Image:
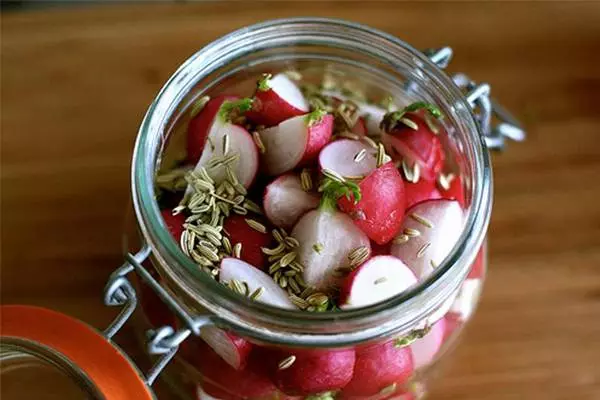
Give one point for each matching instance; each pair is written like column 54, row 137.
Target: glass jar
column 431, row 313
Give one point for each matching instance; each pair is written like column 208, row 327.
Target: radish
column 377, row 368
column 225, row 140
column 420, row 191
column 360, row 128
column 252, row 382
column 452, row 190
column 376, row 280
column 407, row 134
column 295, row 141
column 373, row 115
column 233, row 268
column 174, row 223
column 453, row 324
column 478, row 268
column 349, row 158
column 380, row 249
column 381, row 208
column 276, row 99
column 327, row 238
column 429, row 232
column 201, row 124
column 306, row 372
column 465, row 303
column 238, row 231
column 233, row 349
column 425, row 349
column 209, row 391
column 285, row 201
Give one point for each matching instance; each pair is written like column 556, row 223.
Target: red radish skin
column 425, row 252
column 174, row 223
column 426, row 348
column 313, row 371
column 285, row 201
column 281, row 100
column 336, row 236
column 232, row 348
column 380, row 249
column 360, row 128
column 421, row 146
column 201, row 124
column 455, row 191
column 339, row 156
column 478, row 268
column 234, row 268
column 252, row 382
column 295, row 141
column 380, row 211
column 238, row 231
column 209, row 391
column 377, row 367
column 378, row 279
column 421, row 191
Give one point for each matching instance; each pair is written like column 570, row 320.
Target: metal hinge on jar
column 484, row 107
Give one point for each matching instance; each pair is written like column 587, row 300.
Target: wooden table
column 76, row 83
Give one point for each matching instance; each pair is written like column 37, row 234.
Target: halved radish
column 252, row 382
column 381, row 208
column 209, row 391
column 429, row 232
column 425, row 349
column 419, row 145
column 453, row 324
column 376, row 280
column 174, row 223
column 275, row 100
column 360, row 128
column 238, row 231
column 233, row 268
column 312, row 371
column 349, row 158
column 455, row 191
column 380, row 249
column 295, row 141
column 231, row 347
column 201, row 124
column 373, row 116
column 285, row 201
column 422, row 190
column 377, row 368
column 465, row 303
column 326, row 239
column 478, row 268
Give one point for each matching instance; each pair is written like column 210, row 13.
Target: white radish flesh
column 285, row 201
column 288, row 91
column 232, row 348
column 425, row 349
column 465, row 303
column 349, row 158
column 285, row 145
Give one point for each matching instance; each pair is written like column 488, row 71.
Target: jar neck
column 383, row 56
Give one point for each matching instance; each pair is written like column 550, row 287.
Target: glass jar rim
column 277, row 325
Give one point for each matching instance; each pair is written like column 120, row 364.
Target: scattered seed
column 410, row 123
column 291, row 242
column 257, row 293
column 401, row 239
column 369, row 141
column 208, row 253
column 317, row 247
column 423, row 249
column 225, row 144
column 433, row 264
column 416, row 172
column 237, row 286
column 257, row 226
column 276, row 266
column 198, row 105
column 349, row 135
column 277, row 235
column 380, row 154
column 283, row 282
column 298, row 301
column 422, row 220
column 317, row 299
column 211, row 143
column 276, row 276
column 296, row 266
column 259, row 143
column 388, row 389
column 252, row 206
column 287, row 362
column 333, row 175
column 227, row 245
column 358, row 157
column 275, row 251
column 358, row 255
column 444, row 181
column 183, row 243
column 412, row 232
column 306, row 180
column 288, row 258
column 237, row 250
column 431, row 124
column 240, row 210
column 380, row 280
column 293, row 285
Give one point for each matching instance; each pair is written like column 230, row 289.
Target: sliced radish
column 377, row 368
column 420, row 191
column 231, row 347
column 465, row 303
column 238, row 231
column 478, row 268
column 252, row 382
column 326, row 239
column 381, row 208
column 376, row 280
column 285, row 201
column 275, row 100
column 313, row 371
column 174, row 223
column 233, row 268
column 425, row 349
column 455, row 191
column 344, row 157
column 201, row 125
column 373, row 116
column 239, row 142
column 420, row 146
column 209, row 391
column 295, row 141
column 429, row 232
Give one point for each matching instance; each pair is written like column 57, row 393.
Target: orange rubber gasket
column 107, row 367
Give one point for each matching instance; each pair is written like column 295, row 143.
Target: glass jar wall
column 254, row 350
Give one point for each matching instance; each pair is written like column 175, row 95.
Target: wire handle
column 163, row 341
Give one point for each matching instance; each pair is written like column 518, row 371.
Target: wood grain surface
column 76, row 83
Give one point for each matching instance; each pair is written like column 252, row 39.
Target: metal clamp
column 478, row 96
column 163, row 341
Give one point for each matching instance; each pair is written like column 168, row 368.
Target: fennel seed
column 287, row 362
column 259, row 143
column 237, row 250
column 257, row 226
column 423, row 249
column 306, row 180
column 412, row 232
column 358, row 157
column 422, row 220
